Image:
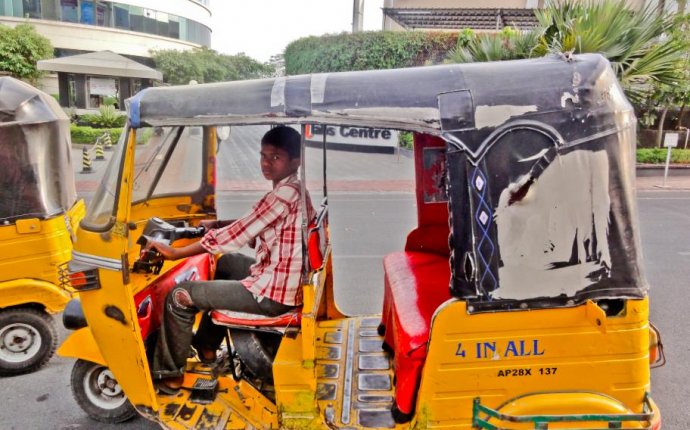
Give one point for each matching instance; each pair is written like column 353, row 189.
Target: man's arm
column 170, row 253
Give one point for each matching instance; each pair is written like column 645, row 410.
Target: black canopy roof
column 37, row 178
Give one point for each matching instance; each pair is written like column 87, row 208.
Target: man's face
column 276, row 163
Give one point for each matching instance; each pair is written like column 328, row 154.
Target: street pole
column 357, row 15
column 670, row 141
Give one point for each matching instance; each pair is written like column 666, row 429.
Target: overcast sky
column 262, row 28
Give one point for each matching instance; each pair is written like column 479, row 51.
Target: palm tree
column 637, row 43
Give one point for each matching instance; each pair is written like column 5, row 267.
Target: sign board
column 344, row 136
column 102, row 86
column 671, row 140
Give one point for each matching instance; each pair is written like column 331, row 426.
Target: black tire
column 98, row 393
column 28, row 339
column 257, row 350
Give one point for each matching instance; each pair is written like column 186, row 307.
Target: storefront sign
column 353, row 136
column 102, row 87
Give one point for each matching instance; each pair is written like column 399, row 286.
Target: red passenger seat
column 416, row 284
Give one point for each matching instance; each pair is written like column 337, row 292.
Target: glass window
column 103, row 14
column 17, row 8
column 205, row 35
column 49, row 10
column 136, row 18
column 150, row 24
column 183, row 28
column 88, row 15
column 121, row 16
column 173, row 27
column 162, row 19
column 183, row 172
column 69, row 11
column 101, row 209
column 32, row 8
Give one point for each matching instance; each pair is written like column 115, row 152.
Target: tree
column 20, row 49
column 206, row 65
column 509, row 44
column 661, row 96
column 635, row 42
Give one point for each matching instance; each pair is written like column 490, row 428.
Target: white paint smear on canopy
column 555, row 238
column 493, row 116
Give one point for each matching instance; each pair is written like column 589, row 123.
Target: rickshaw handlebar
column 158, row 230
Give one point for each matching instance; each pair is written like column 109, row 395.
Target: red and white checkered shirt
column 276, row 223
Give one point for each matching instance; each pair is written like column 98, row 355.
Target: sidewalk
column 238, row 169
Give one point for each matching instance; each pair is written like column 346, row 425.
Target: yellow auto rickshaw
column 517, row 302
column 39, row 215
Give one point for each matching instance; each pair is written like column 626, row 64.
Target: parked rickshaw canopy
column 539, row 163
column 37, row 178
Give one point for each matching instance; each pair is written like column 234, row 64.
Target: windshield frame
column 121, row 150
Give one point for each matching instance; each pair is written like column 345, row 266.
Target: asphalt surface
column 372, row 209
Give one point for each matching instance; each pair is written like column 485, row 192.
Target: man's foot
column 206, row 356
column 169, row 386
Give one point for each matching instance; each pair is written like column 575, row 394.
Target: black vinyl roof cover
column 35, row 157
column 540, row 162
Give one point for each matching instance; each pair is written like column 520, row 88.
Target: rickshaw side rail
column 542, row 421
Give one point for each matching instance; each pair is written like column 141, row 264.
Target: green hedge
column 367, row 50
column 658, row 156
column 83, row 134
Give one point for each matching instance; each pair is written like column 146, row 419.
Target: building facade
column 482, row 15
column 127, row 27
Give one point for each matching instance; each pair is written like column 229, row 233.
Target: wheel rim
column 19, row 342
column 102, row 388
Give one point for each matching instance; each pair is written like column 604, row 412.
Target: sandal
column 164, row 386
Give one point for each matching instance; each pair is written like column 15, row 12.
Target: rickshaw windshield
column 167, row 161
column 100, row 211
column 37, row 178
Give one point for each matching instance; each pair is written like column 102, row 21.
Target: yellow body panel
column 23, row 291
column 31, row 254
column 110, row 310
column 81, row 344
column 34, row 248
column 501, row 356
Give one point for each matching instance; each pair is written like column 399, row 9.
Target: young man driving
column 269, row 285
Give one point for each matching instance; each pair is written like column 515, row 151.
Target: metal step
column 354, row 374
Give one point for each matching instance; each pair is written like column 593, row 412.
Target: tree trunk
column 660, row 130
column 681, row 114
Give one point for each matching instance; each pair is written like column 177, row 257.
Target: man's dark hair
column 284, row 137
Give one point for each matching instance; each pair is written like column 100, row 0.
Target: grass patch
column 658, row 156
column 88, row 135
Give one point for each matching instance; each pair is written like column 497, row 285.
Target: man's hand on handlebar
column 167, row 252
column 164, row 252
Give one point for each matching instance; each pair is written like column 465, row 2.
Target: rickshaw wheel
column 28, row 339
column 97, row 392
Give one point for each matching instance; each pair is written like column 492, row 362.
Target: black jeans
column 185, row 300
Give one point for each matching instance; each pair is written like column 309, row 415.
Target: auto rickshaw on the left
column 39, row 212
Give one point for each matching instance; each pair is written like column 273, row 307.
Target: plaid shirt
column 275, row 222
